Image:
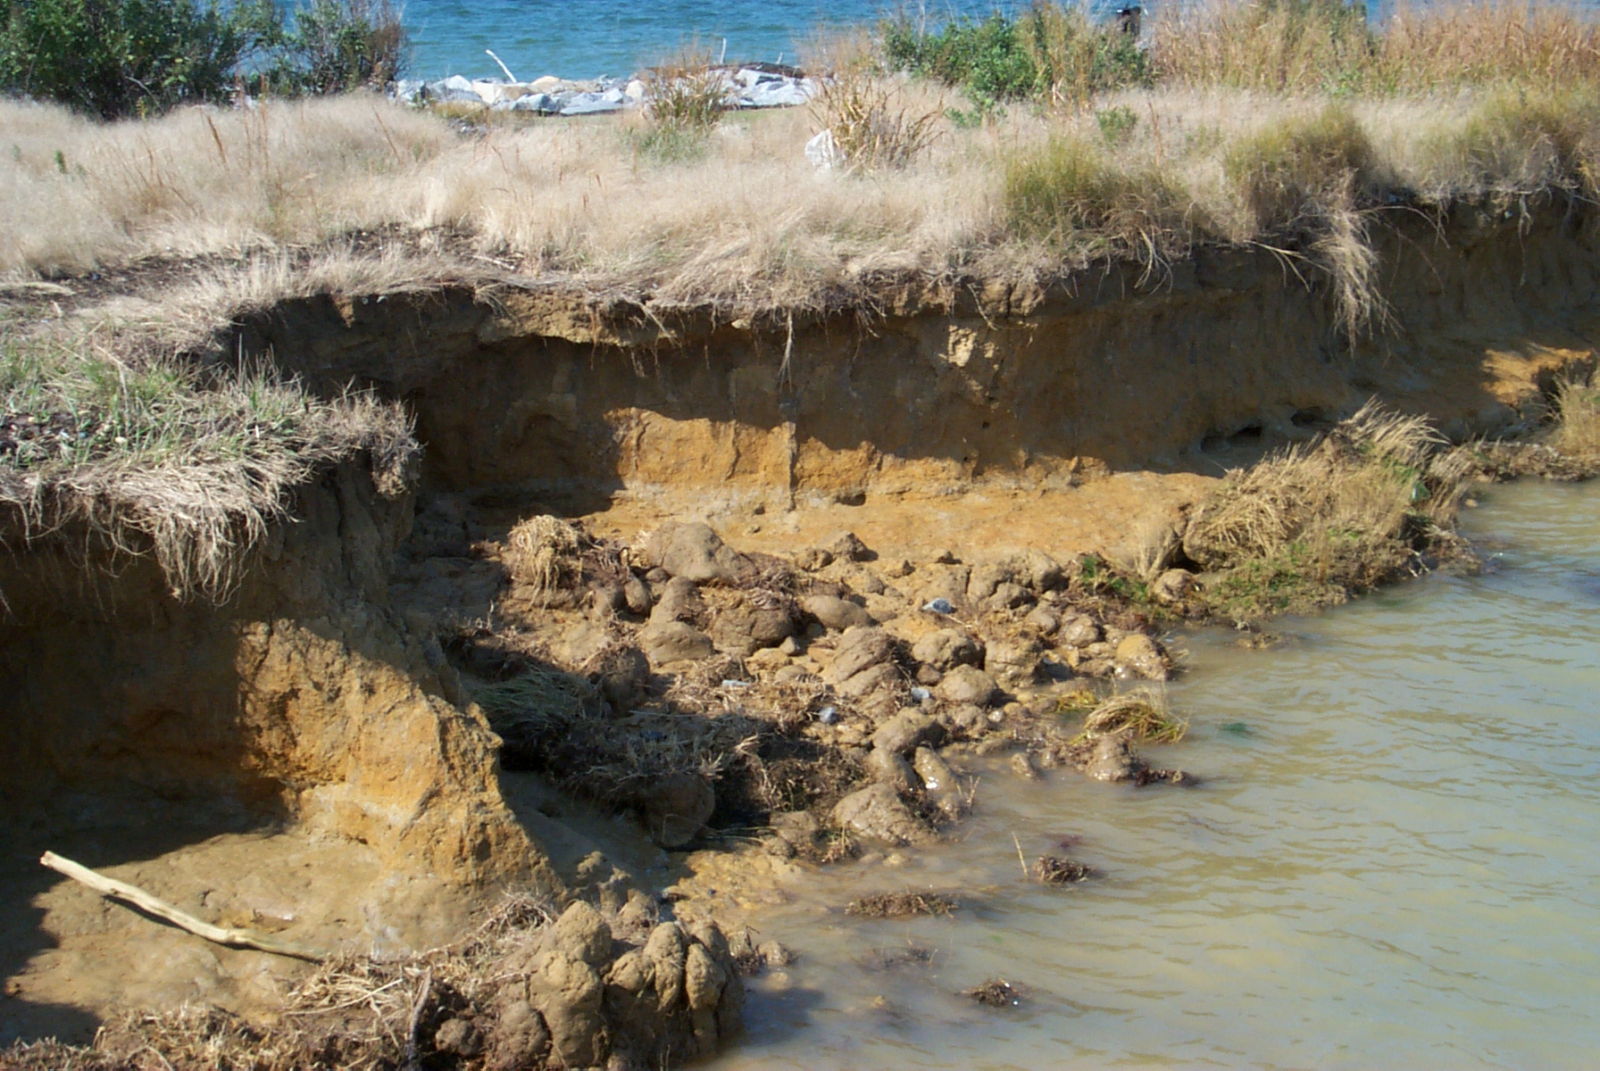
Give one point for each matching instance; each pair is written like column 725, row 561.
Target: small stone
column 1036, row 570
column 679, row 601
column 858, row 649
column 846, row 546
column 1174, row 585
column 1023, row 767
column 1042, row 620
column 1112, row 759
column 984, row 580
column 636, row 593
column 901, row 734
column 458, row 1037
column 1013, row 661
column 964, row 721
column 1078, row 630
column 1009, row 596
column 790, row 647
column 935, row 772
column 813, row 559
column 947, row 648
column 898, row 568
column 774, row 954
column 694, row 551
column 876, row 812
column 580, row 933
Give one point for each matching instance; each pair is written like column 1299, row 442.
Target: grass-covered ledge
column 154, row 453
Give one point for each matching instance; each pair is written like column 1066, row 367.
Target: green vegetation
column 1050, row 51
column 115, row 58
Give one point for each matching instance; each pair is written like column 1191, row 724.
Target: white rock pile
column 757, row 85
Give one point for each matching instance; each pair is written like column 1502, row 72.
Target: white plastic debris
column 823, row 152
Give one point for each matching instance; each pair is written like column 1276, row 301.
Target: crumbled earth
column 824, row 698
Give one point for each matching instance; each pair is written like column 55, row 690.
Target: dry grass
column 1313, row 524
column 1578, row 411
column 1144, row 714
column 872, row 124
column 1056, row 870
column 747, row 222
column 1236, row 143
column 1322, row 46
column 545, row 553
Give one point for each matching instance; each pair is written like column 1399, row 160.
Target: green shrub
column 1049, row 50
column 115, row 58
column 336, row 45
column 121, row 57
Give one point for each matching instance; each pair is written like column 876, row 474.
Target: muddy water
column 1391, row 862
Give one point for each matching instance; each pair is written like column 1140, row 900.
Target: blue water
column 593, row 38
column 589, row 38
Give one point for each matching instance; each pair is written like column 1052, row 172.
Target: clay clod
column 673, row 641
column 835, row 613
column 877, row 813
column 968, row 684
column 694, row 552
column 677, row 807
column 946, row 648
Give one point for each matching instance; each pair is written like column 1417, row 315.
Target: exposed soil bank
column 302, row 695
column 985, row 419
column 949, row 383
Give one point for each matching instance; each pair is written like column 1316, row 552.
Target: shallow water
column 1390, row 862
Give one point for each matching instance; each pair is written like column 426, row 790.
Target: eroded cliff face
column 302, row 696
column 945, row 385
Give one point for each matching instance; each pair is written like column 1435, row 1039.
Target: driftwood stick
column 132, row 894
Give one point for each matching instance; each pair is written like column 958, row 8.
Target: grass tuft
column 872, row 124
column 1068, row 193
column 1578, row 412
column 1369, row 501
column 1144, row 714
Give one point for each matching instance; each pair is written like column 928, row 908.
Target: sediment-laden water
column 1391, row 862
